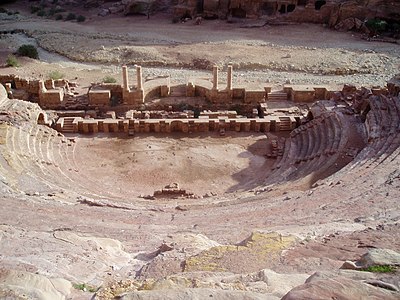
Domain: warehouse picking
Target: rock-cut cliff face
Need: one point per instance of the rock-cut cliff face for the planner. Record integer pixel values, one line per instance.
(367, 9)
(315, 11)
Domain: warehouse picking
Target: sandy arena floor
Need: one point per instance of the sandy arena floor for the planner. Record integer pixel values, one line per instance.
(202, 164)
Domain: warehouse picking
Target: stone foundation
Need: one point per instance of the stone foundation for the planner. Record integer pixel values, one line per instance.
(270, 123)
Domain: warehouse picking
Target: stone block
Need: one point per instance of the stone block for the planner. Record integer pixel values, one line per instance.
(254, 96)
(190, 90)
(164, 91)
(99, 97)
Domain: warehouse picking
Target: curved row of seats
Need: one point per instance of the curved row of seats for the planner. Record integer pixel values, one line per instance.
(311, 147)
(383, 127)
(389, 129)
(35, 158)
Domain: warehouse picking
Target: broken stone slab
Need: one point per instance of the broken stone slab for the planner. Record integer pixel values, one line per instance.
(338, 288)
(349, 265)
(379, 257)
(374, 257)
(382, 284)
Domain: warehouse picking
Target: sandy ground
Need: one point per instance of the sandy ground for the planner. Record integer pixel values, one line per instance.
(306, 54)
(201, 164)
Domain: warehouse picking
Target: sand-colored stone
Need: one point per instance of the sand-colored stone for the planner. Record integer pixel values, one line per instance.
(24, 285)
(259, 247)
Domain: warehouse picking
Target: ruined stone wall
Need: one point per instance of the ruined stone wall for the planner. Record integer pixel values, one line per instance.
(29, 86)
(180, 125)
(329, 12)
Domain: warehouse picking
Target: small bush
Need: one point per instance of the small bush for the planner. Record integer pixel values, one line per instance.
(52, 12)
(380, 269)
(81, 18)
(16, 12)
(3, 10)
(60, 10)
(59, 17)
(10, 13)
(70, 16)
(41, 13)
(56, 75)
(376, 25)
(43, 4)
(34, 9)
(12, 61)
(29, 51)
(84, 287)
(109, 79)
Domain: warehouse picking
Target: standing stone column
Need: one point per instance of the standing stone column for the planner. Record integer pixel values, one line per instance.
(215, 77)
(125, 80)
(139, 77)
(42, 87)
(229, 79)
(9, 90)
(7, 86)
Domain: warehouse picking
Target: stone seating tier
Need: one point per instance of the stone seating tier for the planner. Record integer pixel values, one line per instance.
(37, 159)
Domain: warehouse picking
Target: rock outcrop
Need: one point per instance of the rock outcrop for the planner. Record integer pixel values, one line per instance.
(265, 284)
(25, 285)
(338, 288)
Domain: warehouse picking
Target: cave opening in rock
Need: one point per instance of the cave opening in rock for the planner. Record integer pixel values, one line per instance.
(291, 7)
(238, 12)
(310, 116)
(200, 6)
(319, 4)
(302, 3)
(268, 8)
(41, 120)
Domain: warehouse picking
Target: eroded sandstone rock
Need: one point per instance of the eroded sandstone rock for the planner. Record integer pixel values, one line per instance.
(25, 285)
(338, 288)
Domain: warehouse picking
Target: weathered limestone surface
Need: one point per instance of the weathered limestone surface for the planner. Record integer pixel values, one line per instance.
(338, 288)
(19, 285)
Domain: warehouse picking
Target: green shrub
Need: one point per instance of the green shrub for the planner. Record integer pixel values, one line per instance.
(52, 12)
(12, 61)
(10, 13)
(376, 25)
(81, 18)
(109, 79)
(43, 4)
(70, 16)
(56, 75)
(59, 17)
(380, 269)
(84, 287)
(29, 51)
(41, 13)
(34, 9)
